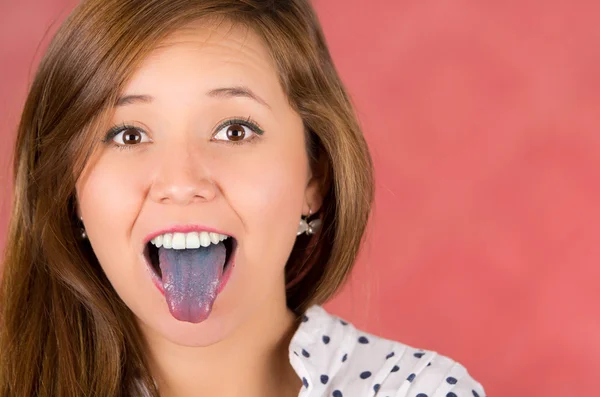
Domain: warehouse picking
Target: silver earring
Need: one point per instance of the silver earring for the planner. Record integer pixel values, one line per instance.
(309, 228)
(82, 230)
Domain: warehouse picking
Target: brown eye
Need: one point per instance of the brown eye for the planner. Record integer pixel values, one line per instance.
(131, 136)
(235, 132)
(126, 136)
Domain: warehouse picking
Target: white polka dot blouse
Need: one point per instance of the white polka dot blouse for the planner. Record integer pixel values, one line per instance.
(335, 359)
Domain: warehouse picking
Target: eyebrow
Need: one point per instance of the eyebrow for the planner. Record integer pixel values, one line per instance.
(222, 92)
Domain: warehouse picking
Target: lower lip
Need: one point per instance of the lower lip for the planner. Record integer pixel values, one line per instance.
(224, 279)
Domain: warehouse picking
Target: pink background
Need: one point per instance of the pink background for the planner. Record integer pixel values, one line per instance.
(483, 122)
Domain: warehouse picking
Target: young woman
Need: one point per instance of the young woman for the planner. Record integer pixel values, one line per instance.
(191, 184)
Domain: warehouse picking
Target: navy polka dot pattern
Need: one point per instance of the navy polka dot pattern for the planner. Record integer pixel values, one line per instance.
(336, 360)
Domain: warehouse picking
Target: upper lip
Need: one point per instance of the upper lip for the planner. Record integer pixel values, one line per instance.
(184, 229)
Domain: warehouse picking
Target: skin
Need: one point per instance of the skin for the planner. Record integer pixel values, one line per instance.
(181, 173)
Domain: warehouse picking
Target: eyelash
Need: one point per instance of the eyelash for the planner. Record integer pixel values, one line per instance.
(246, 122)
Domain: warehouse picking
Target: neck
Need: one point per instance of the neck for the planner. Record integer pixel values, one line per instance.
(252, 361)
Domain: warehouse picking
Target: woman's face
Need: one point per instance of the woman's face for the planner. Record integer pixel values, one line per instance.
(180, 167)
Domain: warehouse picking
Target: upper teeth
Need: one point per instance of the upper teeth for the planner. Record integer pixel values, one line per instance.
(181, 241)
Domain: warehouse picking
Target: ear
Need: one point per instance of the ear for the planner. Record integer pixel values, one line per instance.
(313, 198)
(77, 208)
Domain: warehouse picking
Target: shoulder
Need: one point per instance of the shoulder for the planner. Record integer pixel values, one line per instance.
(335, 359)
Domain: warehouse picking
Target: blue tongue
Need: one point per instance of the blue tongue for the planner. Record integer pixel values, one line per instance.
(191, 279)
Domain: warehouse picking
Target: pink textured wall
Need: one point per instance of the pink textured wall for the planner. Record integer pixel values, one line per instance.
(483, 122)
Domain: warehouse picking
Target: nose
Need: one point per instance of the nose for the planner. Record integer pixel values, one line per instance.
(182, 178)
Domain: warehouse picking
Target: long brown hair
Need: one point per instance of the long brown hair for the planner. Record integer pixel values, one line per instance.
(63, 329)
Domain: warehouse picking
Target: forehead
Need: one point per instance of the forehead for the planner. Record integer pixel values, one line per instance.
(206, 54)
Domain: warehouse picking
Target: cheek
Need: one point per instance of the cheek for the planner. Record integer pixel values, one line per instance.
(109, 199)
(267, 194)
(271, 194)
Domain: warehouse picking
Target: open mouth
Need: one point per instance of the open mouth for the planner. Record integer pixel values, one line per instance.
(190, 270)
(151, 253)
